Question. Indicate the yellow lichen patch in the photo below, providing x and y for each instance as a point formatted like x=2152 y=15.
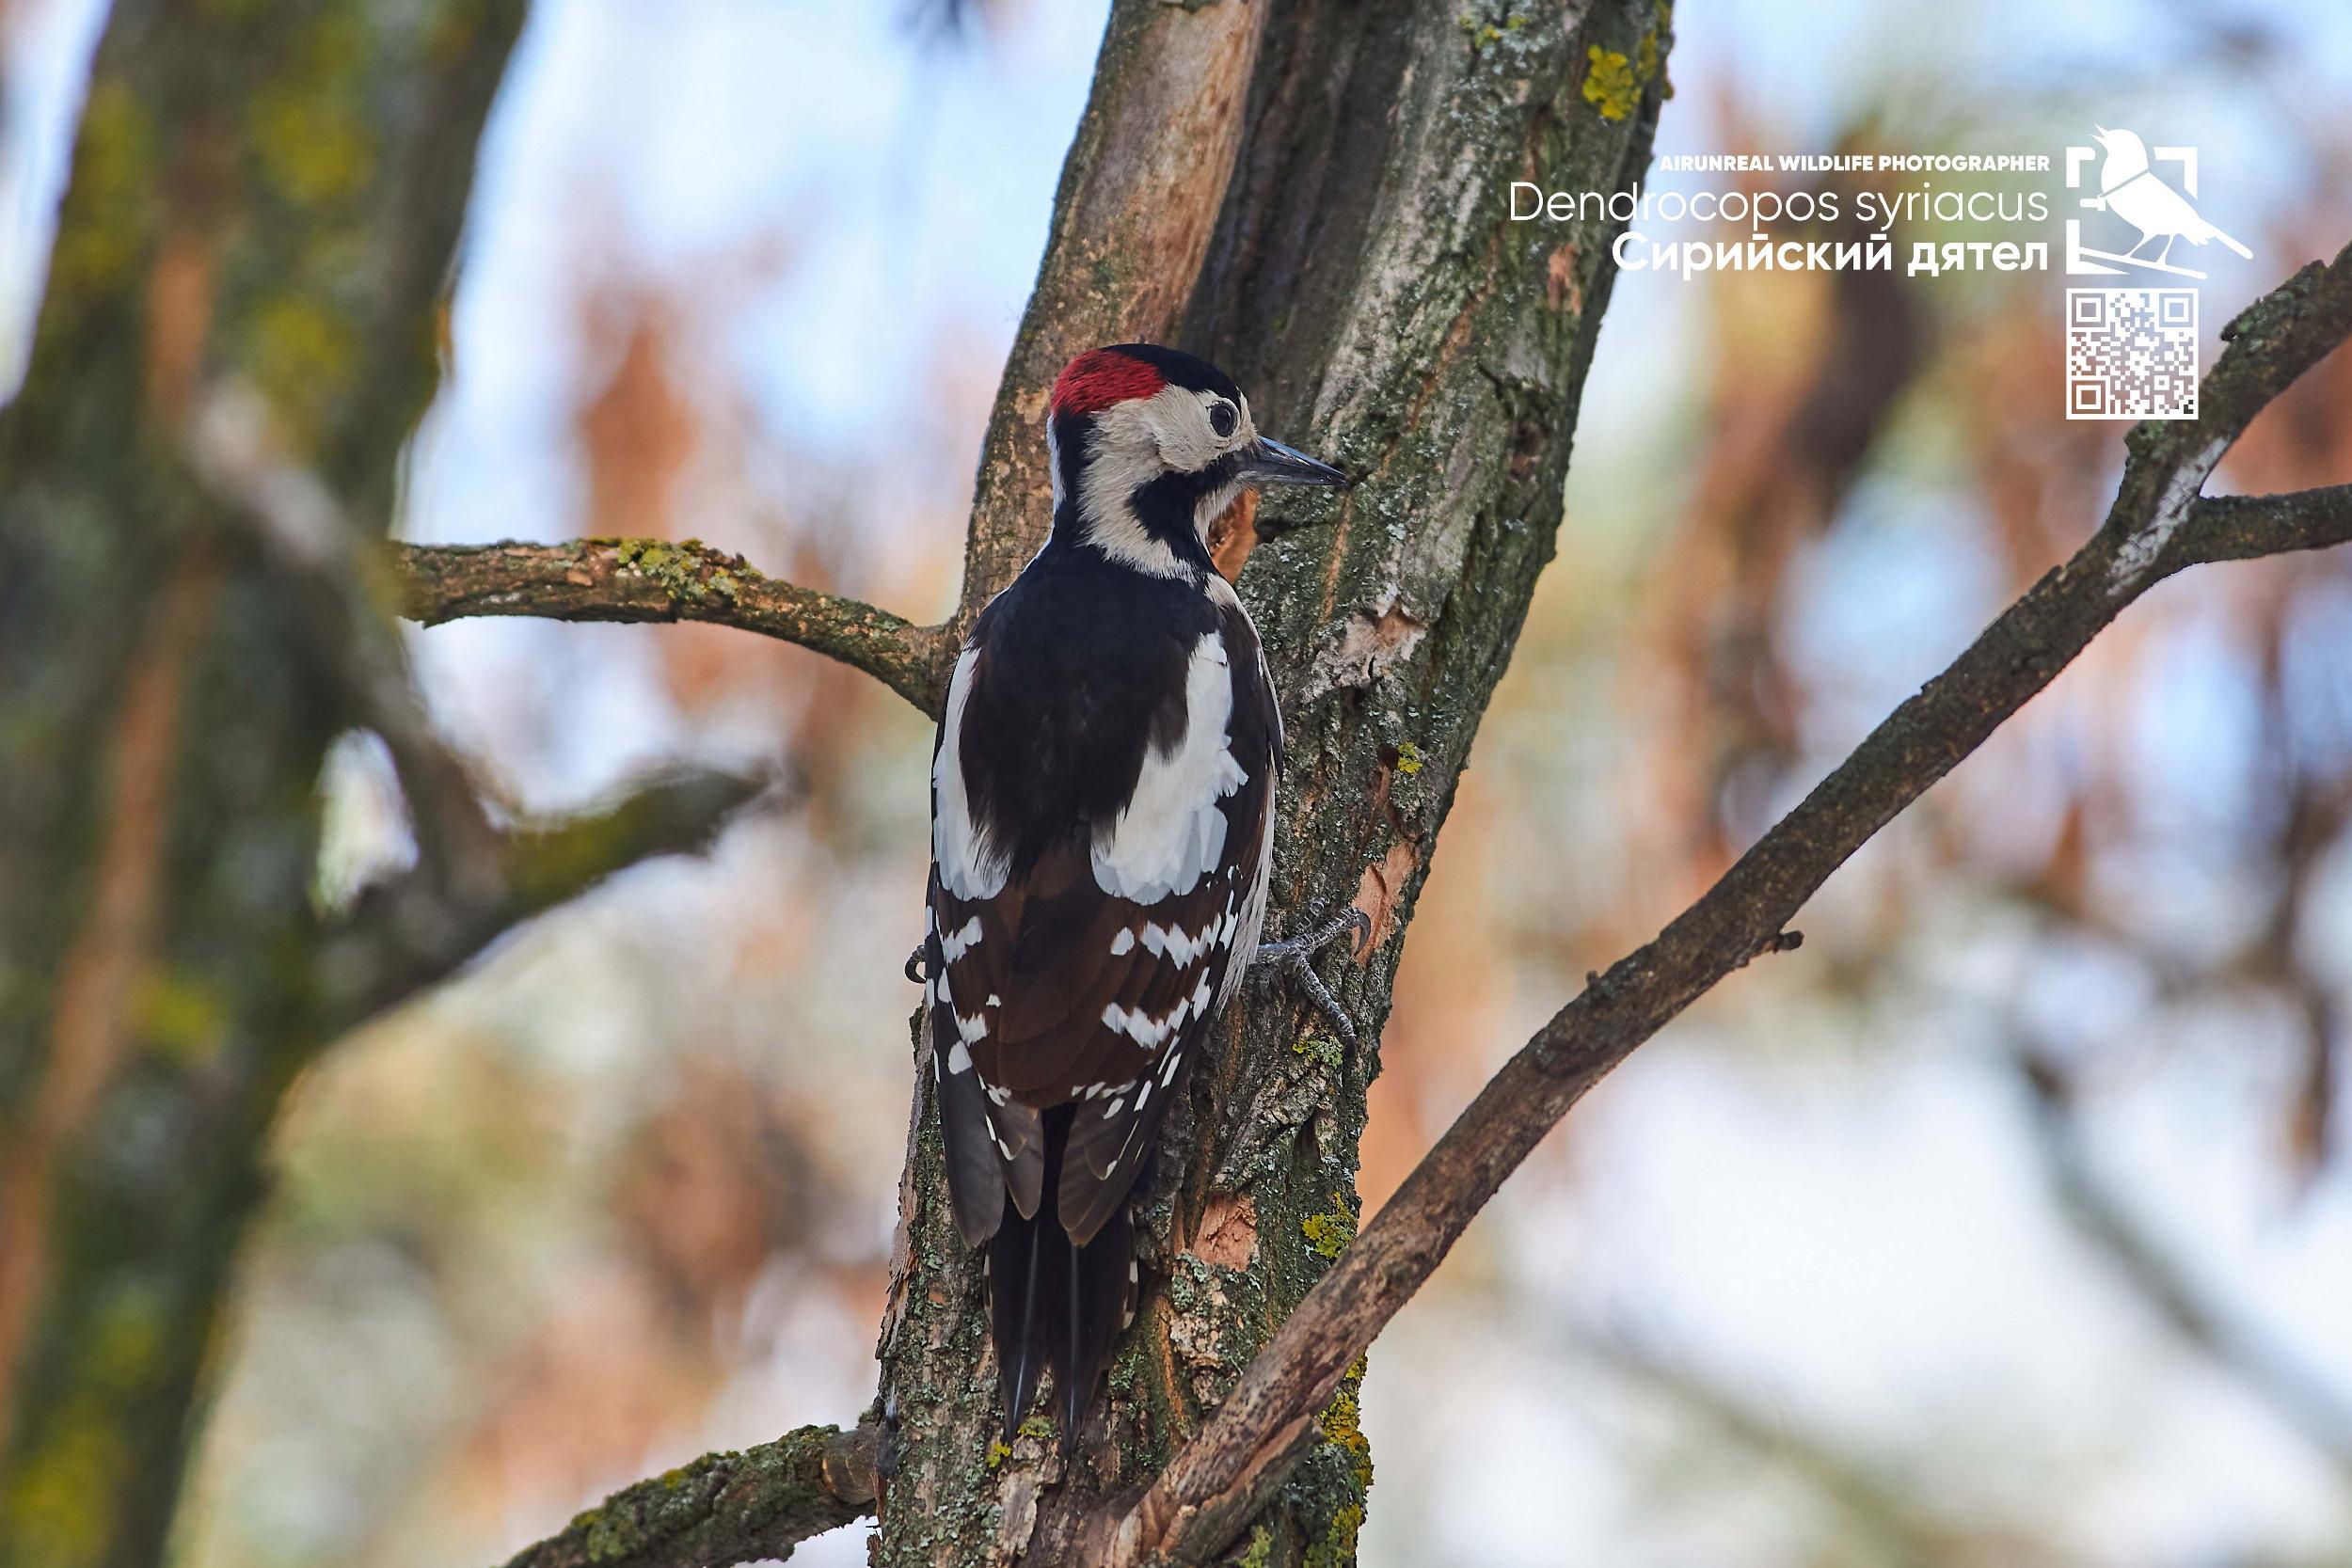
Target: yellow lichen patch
x=58 y=1506
x=304 y=125
x=1342 y=1425
x=1322 y=1049
x=303 y=357
x=181 y=1016
x=106 y=206
x=1609 y=85
x=1338 y=1546
x=1330 y=1231
x=317 y=152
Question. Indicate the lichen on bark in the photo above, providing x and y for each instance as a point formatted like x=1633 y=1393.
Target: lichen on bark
x=268 y=193
x=1367 y=286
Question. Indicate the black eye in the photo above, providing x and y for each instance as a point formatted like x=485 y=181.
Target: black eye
x=1221 y=419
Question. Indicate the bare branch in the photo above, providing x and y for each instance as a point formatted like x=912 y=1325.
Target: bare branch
x=404 y=935
x=310 y=541
x=1218 y=1479
x=723 y=1507
x=654 y=579
x=2241 y=528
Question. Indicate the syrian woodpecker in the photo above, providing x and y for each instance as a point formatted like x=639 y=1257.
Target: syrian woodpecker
x=1102 y=830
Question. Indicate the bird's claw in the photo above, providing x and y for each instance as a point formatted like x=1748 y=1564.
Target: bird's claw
x=917 y=970
x=1296 y=955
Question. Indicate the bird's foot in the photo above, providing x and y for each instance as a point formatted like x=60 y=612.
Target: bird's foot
x=1297 y=954
x=919 y=966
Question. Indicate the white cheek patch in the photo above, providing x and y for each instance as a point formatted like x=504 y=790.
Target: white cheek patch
x=1133 y=444
x=1212 y=506
x=1124 y=456
x=1171 y=833
x=969 y=865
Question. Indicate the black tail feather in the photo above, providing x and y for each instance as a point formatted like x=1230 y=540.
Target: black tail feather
x=1098 y=1311
x=1016 y=1269
x=1054 y=1303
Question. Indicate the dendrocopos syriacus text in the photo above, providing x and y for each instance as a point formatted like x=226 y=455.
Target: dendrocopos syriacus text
x=1102 y=830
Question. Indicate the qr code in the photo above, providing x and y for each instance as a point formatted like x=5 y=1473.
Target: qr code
x=2131 y=353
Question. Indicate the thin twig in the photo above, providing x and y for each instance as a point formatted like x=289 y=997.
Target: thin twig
x=1903 y=1528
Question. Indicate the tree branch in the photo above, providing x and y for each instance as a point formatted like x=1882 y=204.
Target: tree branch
x=311 y=544
x=1137 y=205
x=472 y=882
x=2242 y=527
x=407 y=934
x=2154 y=529
x=654 y=579
x=723 y=1507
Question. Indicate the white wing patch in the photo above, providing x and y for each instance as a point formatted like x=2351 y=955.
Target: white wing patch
x=969 y=866
x=1244 y=934
x=1172 y=834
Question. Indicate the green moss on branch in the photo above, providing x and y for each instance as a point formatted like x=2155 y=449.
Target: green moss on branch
x=725 y=1507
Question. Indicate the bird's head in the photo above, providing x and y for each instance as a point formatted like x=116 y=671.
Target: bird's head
x=1149 y=447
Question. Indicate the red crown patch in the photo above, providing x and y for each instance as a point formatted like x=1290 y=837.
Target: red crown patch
x=1101 y=377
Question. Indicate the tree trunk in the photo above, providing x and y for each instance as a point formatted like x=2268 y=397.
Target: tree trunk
x=1366 y=285
x=267 y=195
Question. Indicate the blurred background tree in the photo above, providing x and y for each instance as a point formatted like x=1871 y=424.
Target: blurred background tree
x=1833 y=1273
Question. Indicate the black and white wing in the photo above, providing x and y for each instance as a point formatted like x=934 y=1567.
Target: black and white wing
x=1089 y=975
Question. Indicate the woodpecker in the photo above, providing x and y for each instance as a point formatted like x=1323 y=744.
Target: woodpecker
x=1102 y=832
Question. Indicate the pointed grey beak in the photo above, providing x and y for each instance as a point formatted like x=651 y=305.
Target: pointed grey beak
x=1272 y=463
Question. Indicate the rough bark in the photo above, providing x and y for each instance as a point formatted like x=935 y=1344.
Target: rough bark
x=1367 y=287
x=1139 y=196
x=264 y=203
x=725 y=1507
x=660 y=580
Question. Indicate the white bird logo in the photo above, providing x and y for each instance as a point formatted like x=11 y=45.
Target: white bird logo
x=2133 y=192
